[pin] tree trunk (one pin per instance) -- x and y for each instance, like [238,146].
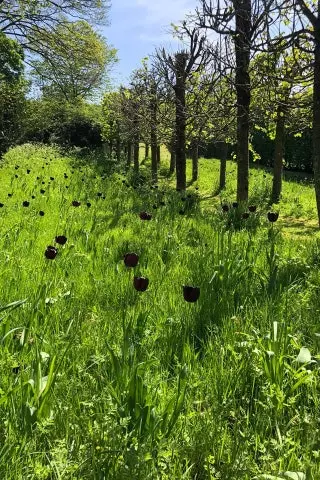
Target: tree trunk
[195,160]
[153,135]
[172,162]
[136,156]
[316,114]
[118,142]
[180,101]
[223,165]
[146,155]
[242,48]
[278,153]
[129,155]
[158,154]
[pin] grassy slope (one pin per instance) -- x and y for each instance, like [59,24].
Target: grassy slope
[114,383]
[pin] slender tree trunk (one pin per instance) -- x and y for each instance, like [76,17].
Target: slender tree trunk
[223,165]
[278,153]
[195,160]
[242,48]
[136,156]
[172,162]
[159,154]
[118,142]
[153,134]
[136,149]
[146,155]
[316,114]
[129,155]
[180,101]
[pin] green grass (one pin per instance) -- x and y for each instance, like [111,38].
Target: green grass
[99,381]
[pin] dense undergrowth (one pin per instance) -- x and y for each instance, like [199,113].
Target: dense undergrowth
[100,381]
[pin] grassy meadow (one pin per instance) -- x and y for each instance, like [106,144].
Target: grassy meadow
[101,381]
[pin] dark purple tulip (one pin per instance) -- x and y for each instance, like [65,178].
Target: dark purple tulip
[145,216]
[38,178]
[140,283]
[16,175]
[61,239]
[273,216]
[1,205]
[51,252]
[16,369]
[131,259]
[197,188]
[41,213]
[42,191]
[75,203]
[88,204]
[65,176]
[252,208]
[33,197]
[191,294]
[10,194]
[67,186]
[245,215]
[43,183]
[99,194]
[28,171]
[225,208]
[25,203]
[51,178]
[235,204]
[16,167]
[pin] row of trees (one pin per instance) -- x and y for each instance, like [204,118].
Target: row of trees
[258,71]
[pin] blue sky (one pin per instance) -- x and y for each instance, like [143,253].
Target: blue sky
[138,26]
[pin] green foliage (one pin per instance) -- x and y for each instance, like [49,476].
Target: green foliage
[52,121]
[74,61]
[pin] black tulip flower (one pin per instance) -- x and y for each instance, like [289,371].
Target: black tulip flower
[154,207]
[145,216]
[191,294]
[103,197]
[61,239]
[16,176]
[10,195]
[88,204]
[162,203]
[43,183]
[264,175]
[225,208]
[41,213]
[51,252]
[183,199]
[16,369]
[75,203]
[38,178]
[245,215]
[16,167]
[65,176]
[99,194]
[181,212]
[197,188]
[42,191]
[131,259]
[67,186]
[28,171]
[252,208]
[33,197]
[235,204]
[25,203]
[1,205]
[273,216]
[140,283]
[51,178]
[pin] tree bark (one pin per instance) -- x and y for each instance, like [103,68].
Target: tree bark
[153,134]
[243,89]
[180,104]
[223,165]
[172,162]
[136,156]
[146,155]
[278,153]
[129,155]
[195,160]
[118,142]
[316,114]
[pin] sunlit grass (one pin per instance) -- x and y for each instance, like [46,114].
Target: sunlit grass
[100,381]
